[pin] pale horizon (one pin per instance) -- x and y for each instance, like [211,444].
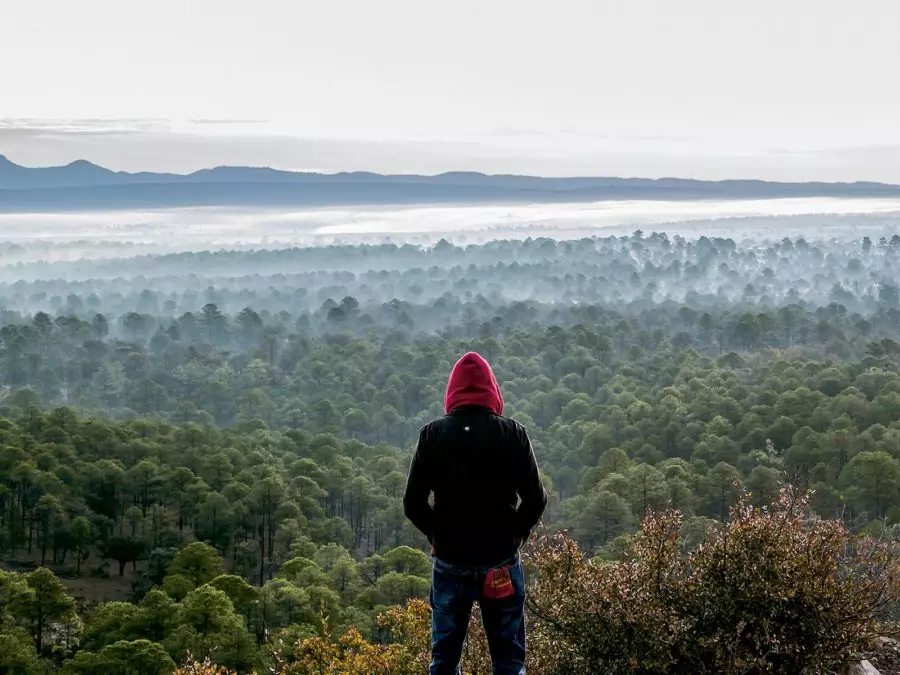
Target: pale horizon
[790,92]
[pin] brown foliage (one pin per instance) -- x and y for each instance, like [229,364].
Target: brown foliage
[205,668]
[774,590]
[620,615]
[406,654]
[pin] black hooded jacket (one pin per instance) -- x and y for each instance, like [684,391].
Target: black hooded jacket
[481,468]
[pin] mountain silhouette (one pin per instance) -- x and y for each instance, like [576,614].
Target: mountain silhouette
[83,185]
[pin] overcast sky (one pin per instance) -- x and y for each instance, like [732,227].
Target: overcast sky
[779,89]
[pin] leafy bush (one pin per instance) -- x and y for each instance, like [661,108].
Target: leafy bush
[406,652]
[204,668]
[773,590]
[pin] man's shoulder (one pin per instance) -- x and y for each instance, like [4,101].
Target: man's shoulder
[436,425]
[509,426]
[440,424]
[512,424]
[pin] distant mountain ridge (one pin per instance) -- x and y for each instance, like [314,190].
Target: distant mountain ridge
[84,185]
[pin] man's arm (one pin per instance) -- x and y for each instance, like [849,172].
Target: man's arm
[530,488]
[418,489]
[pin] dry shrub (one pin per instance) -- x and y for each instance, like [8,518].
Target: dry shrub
[589,617]
[204,668]
[406,654]
[772,591]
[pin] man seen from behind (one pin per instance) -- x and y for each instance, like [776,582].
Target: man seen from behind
[488,496]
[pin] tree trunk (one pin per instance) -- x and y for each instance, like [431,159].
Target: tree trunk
[39,632]
[262,553]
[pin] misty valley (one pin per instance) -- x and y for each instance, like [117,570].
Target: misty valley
[441,338]
[203,452]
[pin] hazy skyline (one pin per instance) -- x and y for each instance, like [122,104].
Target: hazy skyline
[786,91]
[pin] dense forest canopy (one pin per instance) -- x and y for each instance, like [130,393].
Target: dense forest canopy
[210,448]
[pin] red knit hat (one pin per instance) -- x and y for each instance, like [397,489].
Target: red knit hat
[472,382]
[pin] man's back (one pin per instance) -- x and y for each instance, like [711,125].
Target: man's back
[478,464]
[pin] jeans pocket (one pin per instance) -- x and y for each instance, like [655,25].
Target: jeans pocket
[446,589]
[517,580]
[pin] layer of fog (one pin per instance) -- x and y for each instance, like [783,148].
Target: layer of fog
[72,236]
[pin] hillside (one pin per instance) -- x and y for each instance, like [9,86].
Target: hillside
[83,185]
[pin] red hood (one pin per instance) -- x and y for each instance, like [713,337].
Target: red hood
[472,382]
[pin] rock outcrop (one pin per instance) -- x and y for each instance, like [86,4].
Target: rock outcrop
[886,657]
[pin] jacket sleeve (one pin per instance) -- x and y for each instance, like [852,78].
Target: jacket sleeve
[530,488]
[418,489]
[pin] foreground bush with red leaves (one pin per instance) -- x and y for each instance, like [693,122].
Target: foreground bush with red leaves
[774,590]
[771,591]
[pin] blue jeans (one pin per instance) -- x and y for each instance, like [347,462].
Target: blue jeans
[453,591]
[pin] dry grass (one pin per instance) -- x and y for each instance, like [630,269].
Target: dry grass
[86,588]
